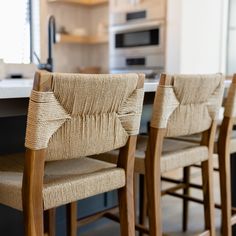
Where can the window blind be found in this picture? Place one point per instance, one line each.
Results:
(15, 31)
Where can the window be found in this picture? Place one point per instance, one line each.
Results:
(15, 39)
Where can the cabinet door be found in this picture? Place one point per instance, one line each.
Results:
(120, 5)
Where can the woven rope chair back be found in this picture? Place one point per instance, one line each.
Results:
(230, 105)
(81, 115)
(187, 104)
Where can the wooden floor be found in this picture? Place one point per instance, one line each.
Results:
(172, 215)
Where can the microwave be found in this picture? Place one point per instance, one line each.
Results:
(137, 46)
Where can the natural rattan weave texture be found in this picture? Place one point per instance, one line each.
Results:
(90, 114)
(191, 98)
(64, 181)
(176, 154)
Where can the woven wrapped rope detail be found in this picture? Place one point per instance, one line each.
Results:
(230, 106)
(97, 133)
(86, 135)
(214, 102)
(45, 116)
(200, 97)
(189, 105)
(104, 111)
(130, 112)
(165, 103)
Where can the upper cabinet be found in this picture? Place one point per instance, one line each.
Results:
(82, 2)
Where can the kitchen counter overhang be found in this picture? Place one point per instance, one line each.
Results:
(21, 88)
(14, 94)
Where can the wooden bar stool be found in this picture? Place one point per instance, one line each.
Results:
(72, 116)
(225, 144)
(184, 104)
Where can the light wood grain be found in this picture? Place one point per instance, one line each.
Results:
(32, 192)
(153, 179)
(82, 2)
(71, 211)
(50, 222)
(32, 187)
(126, 194)
(208, 138)
(93, 39)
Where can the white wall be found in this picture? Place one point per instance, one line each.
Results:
(173, 36)
(231, 50)
(199, 35)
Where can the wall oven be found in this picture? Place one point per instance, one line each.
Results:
(137, 47)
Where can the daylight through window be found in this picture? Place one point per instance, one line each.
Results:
(15, 31)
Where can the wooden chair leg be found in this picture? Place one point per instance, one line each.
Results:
(126, 209)
(207, 182)
(32, 198)
(153, 180)
(186, 180)
(225, 190)
(33, 222)
(71, 209)
(154, 203)
(126, 194)
(50, 222)
(142, 202)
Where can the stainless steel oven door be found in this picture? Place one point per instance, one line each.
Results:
(138, 41)
(143, 38)
(143, 62)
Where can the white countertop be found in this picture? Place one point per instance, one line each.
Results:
(21, 88)
(15, 88)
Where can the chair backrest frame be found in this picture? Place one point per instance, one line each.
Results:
(153, 162)
(84, 124)
(179, 104)
(32, 184)
(229, 120)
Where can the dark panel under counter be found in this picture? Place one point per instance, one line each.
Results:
(13, 107)
(147, 111)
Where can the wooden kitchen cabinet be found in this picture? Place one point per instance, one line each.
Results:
(68, 38)
(97, 38)
(137, 5)
(82, 2)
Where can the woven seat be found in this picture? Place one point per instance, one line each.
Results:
(70, 117)
(61, 178)
(175, 154)
(196, 138)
